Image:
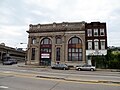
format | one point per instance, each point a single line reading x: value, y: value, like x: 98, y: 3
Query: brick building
x: 96, y: 39
x: 67, y: 42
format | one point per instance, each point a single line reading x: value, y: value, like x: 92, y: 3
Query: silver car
x: 60, y: 66
x: 86, y: 67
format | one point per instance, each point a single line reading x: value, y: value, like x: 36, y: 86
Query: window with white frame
x: 96, y: 44
x: 102, y: 32
x: 89, y: 32
x: 102, y: 43
x: 89, y: 44
x: 95, y: 32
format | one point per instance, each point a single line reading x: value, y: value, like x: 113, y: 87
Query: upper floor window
x: 33, y: 41
x: 75, y: 40
x: 58, y: 40
x: 96, y: 44
x: 89, y: 32
x: 102, y: 32
x: 89, y: 44
x: 102, y: 43
x: 46, y: 41
x: 95, y: 32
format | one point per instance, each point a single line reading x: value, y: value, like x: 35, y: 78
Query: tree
x: 113, y: 59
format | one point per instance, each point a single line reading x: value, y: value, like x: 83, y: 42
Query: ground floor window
x: 33, y: 54
x: 58, y: 54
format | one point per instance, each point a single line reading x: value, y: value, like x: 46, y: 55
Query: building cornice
x: 57, y: 27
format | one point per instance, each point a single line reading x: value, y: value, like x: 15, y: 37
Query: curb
x: 31, y: 66
x: 50, y: 77
x: 110, y: 70
x: 70, y: 79
x: 117, y: 70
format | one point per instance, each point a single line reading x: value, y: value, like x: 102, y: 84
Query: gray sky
x: 16, y: 15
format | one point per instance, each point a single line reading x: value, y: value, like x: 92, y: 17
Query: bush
x: 113, y: 60
x: 114, y: 64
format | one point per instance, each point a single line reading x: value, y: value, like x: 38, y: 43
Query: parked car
x: 60, y: 66
x: 13, y: 61
x: 86, y: 67
x: 7, y: 62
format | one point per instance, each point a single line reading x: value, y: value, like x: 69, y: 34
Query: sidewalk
x: 30, y: 66
x: 37, y: 66
x: 76, y: 78
x: 111, y: 70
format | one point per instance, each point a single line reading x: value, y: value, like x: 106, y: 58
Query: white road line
x: 3, y: 87
x: 6, y: 71
x: 23, y: 70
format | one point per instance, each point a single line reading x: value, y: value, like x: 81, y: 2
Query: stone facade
x: 65, y: 31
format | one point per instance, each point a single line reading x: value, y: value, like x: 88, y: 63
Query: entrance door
x: 45, y: 59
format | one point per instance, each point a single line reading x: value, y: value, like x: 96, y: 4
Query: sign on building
x: 45, y: 55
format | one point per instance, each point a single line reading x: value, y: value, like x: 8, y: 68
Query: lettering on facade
x: 45, y: 55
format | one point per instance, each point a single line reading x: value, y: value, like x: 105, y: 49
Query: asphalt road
x: 78, y: 75
x: 11, y: 82
x: 13, y: 77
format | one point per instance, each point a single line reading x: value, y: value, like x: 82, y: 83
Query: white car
x: 86, y: 67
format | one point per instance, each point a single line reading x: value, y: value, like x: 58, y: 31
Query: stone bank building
x: 67, y: 42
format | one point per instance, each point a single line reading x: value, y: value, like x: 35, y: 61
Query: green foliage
x: 113, y: 60
x: 100, y: 61
x: 114, y: 64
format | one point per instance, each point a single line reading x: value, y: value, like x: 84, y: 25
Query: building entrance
x: 45, y: 52
x: 45, y: 59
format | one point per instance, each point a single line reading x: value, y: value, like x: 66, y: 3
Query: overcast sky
x: 16, y: 15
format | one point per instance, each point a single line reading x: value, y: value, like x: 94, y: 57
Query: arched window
x: 75, y: 49
x: 45, y: 51
x: 46, y: 41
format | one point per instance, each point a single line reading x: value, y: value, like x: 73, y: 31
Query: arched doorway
x: 75, y: 49
x: 45, y: 51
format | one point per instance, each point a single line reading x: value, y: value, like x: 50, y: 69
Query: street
x: 13, y: 77
x: 9, y: 82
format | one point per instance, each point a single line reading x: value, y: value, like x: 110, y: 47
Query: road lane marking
x: 6, y: 71
x: 23, y: 70
x: 3, y: 87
